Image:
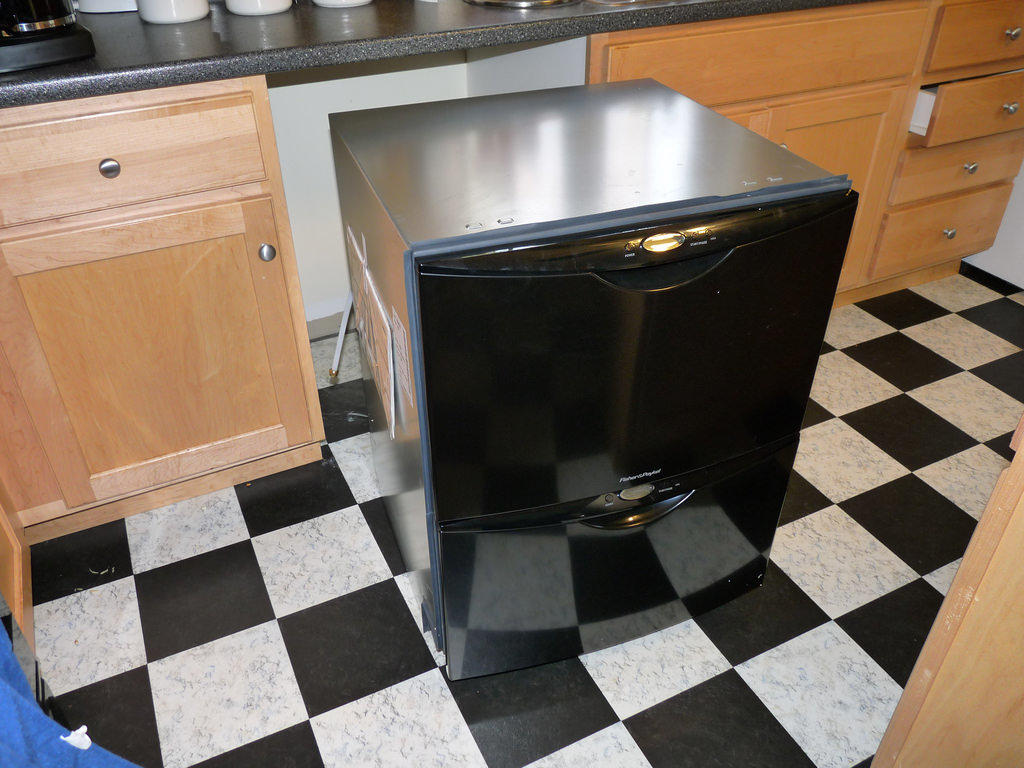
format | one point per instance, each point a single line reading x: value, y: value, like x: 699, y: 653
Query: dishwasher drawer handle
x: 620, y: 521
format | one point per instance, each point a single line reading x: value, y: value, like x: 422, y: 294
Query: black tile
x: 380, y: 526
x: 518, y: 717
x: 293, y: 747
x: 718, y: 724
x: 119, y: 714
x: 902, y: 361
x: 826, y: 348
x: 1004, y: 318
x: 902, y: 309
x: 912, y: 434
x: 294, y: 495
x: 814, y: 414
x: 920, y: 525
x: 987, y: 279
x: 802, y: 498
x: 200, y: 599
x: 893, y: 628
x: 344, y: 410
x: 761, y: 619
x: 1006, y: 374
x: 354, y: 645
x: 865, y: 763
x: 1001, y: 445
x: 80, y: 561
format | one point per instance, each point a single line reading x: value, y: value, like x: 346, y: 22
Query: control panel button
x: 665, y: 241
x: 636, y: 492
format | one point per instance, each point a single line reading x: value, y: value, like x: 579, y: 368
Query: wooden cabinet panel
x: 850, y: 134
x: 980, y: 107
x: 975, y: 33
x: 965, y: 165
x: 163, y: 150
x: 915, y: 236
x: 725, y: 62
x: 166, y: 362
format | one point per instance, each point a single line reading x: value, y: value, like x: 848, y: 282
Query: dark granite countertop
x: 133, y: 55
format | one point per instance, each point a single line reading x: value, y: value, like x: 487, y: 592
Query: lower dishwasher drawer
x: 933, y: 232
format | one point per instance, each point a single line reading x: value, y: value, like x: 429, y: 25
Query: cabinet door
x: 153, y: 348
x: 851, y: 134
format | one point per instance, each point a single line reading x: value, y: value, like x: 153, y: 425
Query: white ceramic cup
x: 258, y: 7
x: 341, y: 3
x: 172, y: 11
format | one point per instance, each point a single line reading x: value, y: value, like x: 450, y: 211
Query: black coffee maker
x: 34, y: 33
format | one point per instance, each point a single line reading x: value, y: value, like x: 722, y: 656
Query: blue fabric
x: 28, y: 738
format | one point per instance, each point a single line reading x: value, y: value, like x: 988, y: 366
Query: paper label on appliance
x: 403, y: 366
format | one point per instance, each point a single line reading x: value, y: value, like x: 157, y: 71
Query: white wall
x: 301, y: 101
x: 1005, y: 258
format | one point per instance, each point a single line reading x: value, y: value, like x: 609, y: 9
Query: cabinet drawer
x: 916, y: 237
x: 975, y: 33
x: 163, y: 150
x: 739, y: 61
x: 983, y: 106
x: 965, y: 165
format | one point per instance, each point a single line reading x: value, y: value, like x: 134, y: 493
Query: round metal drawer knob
x: 1013, y: 34
x: 971, y: 168
x: 1011, y: 109
x: 267, y: 252
x: 110, y: 168
x: 950, y: 233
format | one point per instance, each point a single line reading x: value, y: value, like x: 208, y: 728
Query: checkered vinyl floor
x: 272, y: 624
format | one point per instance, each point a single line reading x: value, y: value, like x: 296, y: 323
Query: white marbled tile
x: 837, y: 562
x: 414, y: 723
x: 221, y: 695
x: 641, y: 673
x: 960, y: 341
x: 316, y: 560
x: 413, y: 587
x: 966, y: 478
x: 955, y: 293
x: 842, y: 385
x: 89, y: 636
x: 828, y: 693
x: 1018, y: 297
x: 841, y: 463
x: 979, y: 409
x: 849, y: 325
x: 355, y: 458
x: 323, y: 356
x: 942, y: 578
x: 184, y: 529
x: 611, y: 747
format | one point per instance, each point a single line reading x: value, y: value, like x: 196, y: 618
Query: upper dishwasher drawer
x: 983, y: 106
x: 976, y: 33
x: 94, y: 161
x: 762, y: 57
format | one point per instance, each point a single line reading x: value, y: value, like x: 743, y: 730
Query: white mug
x: 172, y: 11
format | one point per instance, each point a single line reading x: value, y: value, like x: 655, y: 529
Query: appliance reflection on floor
x: 275, y: 622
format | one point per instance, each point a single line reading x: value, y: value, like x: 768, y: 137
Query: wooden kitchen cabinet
x: 830, y: 85
x: 152, y: 337
x: 847, y: 134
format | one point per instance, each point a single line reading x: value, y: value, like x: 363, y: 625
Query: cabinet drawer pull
x: 1013, y: 34
x: 971, y: 168
x: 110, y: 168
x: 950, y: 233
x: 267, y: 252
x: 1011, y: 109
